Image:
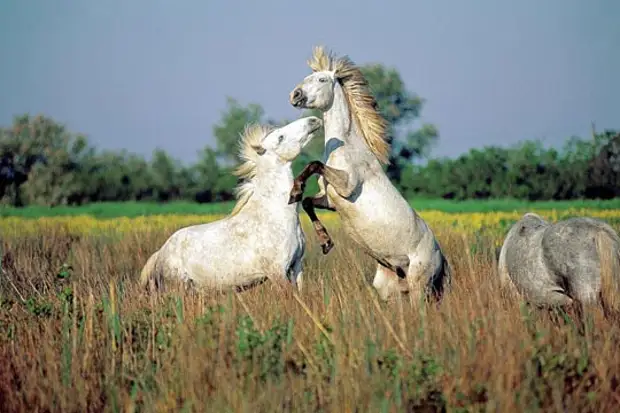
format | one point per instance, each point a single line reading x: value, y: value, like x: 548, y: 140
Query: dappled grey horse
x: 262, y: 238
x: 555, y: 264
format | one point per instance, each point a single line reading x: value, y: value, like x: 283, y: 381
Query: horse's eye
x: 322, y: 79
x: 280, y: 138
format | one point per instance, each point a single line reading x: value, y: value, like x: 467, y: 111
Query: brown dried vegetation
x: 78, y: 335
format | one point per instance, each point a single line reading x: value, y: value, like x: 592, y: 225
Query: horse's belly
x: 380, y: 243
x: 228, y: 268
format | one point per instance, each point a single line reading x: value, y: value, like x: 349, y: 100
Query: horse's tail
x: 608, y: 247
x: 148, y: 271
x: 442, y: 279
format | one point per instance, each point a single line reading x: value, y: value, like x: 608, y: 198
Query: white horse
x: 262, y: 238
x: 557, y: 264
x: 352, y: 182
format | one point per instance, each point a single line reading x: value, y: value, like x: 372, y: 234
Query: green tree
x: 167, y: 176
x: 604, y: 167
x: 39, y: 161
x: 207, y: 175
x: 232, y: 123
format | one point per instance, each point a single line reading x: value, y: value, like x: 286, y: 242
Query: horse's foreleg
x: 299, y: 184
x: 340, y: 180
x: 320, y: 202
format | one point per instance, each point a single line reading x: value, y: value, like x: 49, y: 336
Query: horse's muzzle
x: 297, y: 97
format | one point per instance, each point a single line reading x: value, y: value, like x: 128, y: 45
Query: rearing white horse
x: 262, y: 238
x: 352, y: 182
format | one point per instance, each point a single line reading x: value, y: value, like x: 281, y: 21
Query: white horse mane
x: 250, y: 141
x: 362, y: 104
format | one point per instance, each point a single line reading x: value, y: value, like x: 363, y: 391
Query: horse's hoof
x: 294, y: 198
x: 327, y: 247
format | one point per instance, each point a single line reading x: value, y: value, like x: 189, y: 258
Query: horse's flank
x: 362, y: 104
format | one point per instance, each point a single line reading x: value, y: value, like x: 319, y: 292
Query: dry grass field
x: 78, y: 335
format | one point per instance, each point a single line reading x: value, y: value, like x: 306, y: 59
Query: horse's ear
x: 259, y: 149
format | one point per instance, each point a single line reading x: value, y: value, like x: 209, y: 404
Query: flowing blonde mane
x: 362, y: 104
x: 251, y: 138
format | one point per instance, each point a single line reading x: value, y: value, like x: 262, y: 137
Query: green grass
x: 508, y: 205
x: 120, y: 209
x: 134, y: 209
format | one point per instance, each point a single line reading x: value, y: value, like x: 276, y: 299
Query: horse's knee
x: 430, y: 278
x: 385, y: 282
x: 416, y: 273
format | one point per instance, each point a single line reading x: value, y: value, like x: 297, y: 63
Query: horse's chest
x: 287, y: 240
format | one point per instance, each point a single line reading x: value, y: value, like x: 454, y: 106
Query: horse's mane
x: 246, y: 171
x: 362, y: 104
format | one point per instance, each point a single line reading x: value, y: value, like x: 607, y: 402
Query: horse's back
x: 569, y: 246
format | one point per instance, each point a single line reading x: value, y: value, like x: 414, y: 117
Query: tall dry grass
x: 78, y: 335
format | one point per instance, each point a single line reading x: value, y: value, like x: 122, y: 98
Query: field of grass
x: 78, y: 335
x: 134, y: 209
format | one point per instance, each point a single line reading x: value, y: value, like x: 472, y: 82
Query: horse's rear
x: 577, y: 259
x: 586, y: 252
x: 522, y: 264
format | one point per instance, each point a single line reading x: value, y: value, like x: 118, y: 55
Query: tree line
x: 43, y: 163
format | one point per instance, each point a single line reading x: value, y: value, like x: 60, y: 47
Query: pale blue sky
x: 140, y: 74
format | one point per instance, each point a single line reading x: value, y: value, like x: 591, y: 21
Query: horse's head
x: 285, y: 143
x: 316, y: 91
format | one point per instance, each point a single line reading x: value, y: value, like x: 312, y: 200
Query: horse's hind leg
x: 417, y: 278
x: 425, y: 263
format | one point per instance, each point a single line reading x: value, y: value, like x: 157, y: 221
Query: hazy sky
x: 141, y: 74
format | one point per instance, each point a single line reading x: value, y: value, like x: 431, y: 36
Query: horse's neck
x: 340, y: 129
x: 272, y: 189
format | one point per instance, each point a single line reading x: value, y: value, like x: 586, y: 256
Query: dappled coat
x: 557, y: 263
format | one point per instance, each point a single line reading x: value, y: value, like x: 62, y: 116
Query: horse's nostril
x: 297, y: 94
